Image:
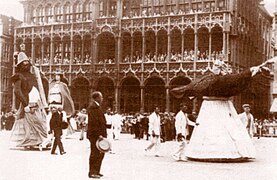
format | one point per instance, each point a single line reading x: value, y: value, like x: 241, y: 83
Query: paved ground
x: 130, y: 162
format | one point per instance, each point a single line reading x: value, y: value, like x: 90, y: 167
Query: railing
x: 133, y: 66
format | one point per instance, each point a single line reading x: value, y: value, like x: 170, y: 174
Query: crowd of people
x: 137, y: 124
x: 66, y: 60
x: 266, y: 127
x: 145, y: 13
x: 188, y: 56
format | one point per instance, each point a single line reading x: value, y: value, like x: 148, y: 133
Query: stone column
x: 132, y: 47
x: 82, y: 50
x: 224, y: 45
x: 167, y: 108
x: 33, y: 48
x: 143, y: 47
x: 51, y: 51
x: 117, y: 98
x: 183, y: 41
x: 210, y: 45
x: 156, y: 47
x: 168, y: 46
x: 94, y: 51
x: 141, y: 98
x: 71, y: 57
x: 195, y: 52
x: 62, y: 51
x: 118, y: 52
x: 13, y: 71
x: 227, y: 46
x: 42, y: 52
x: 195, y: 59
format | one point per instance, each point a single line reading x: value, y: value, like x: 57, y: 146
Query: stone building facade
x: 7, y: 28
x: 135, y: 51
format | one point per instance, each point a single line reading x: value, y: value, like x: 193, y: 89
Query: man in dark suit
x: 96, y: 129
x: 56, y: 127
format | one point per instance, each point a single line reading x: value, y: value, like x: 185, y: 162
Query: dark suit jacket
x: 96, y: 122
x: 56, y: 124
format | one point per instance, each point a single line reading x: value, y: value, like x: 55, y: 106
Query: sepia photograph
x: 138, y: 89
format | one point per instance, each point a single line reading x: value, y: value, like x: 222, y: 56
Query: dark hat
x: 246, y: 105
x: 103, y: 145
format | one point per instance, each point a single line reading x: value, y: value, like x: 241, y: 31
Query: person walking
x: 56, y: 127
x: 155, y: 131
x: 116, y: 125
x: 109, y: 118
x: 96, y: 130
x: 247, y: 120
x: 82, y: 119
x: 181, y: 123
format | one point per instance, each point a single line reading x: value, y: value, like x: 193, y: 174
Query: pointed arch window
x: 58, y: 13
x: 48, y: 13
x: 67, y: 13
x: 78, y: 12
x: 88, y: 11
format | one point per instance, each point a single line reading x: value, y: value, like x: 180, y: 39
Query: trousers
x: 57, y: 142
x: 96, y: 157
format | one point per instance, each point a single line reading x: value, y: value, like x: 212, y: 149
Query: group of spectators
x: 7, y: 120
x: 149, y: 13
x: 66, y: 60
x: 137, y: 124
x: 266, y: 127
x: 188, y: 56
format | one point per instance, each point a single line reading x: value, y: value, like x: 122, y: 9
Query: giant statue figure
x: 220, y: 135
x: 30, y: 87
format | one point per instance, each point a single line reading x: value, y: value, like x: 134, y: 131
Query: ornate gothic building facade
x: 7, y: 28
x: 135, y: 51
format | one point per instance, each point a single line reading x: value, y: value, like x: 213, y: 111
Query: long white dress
x: 220, y: 134
x: 31, y: 130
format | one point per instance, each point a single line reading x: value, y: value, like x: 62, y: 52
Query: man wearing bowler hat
x: 247, y: 119
x: 96, y: 130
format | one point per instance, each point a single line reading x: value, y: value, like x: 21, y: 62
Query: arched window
x: 88, y: 10
x: 171, y: 6
x: 67, y: 13
x: 34, y: 15
x: 48, y: 13
x: 184, y: 6
x: 147, y: 10
x: 58, y: 12
x: 113, y: 7
x: 158, y: 7
x: 221, y: 5
x: 78, y: 9
x: 135, y: 8
x: 101, y: 9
